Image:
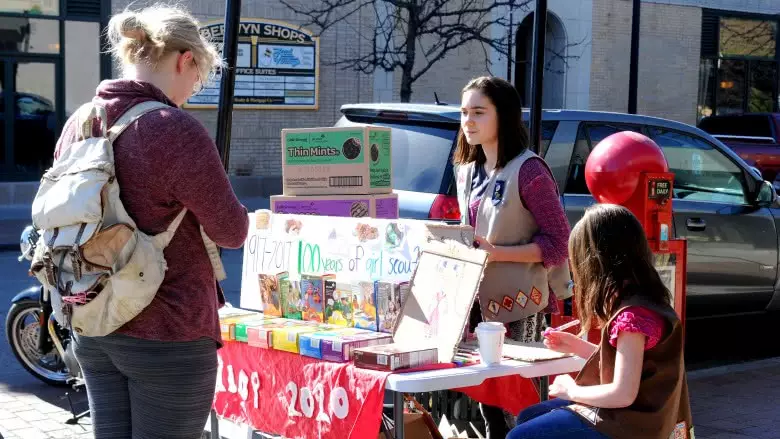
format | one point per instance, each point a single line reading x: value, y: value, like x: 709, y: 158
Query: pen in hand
x: 563, y: 327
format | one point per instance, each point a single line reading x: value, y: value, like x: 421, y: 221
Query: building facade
x: 697, y: 57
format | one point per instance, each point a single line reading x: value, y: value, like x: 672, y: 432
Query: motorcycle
x: 39, y: 343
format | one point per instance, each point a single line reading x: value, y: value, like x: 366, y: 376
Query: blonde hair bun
x: 147, y: 35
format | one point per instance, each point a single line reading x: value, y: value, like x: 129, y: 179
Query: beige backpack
x: 100, y: 270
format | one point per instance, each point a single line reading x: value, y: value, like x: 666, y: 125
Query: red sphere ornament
x: 613, y: 167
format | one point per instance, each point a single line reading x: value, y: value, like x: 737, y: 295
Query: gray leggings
x: 146, y: 389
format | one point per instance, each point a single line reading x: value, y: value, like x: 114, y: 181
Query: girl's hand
x: 563, y: 342
x: 563, y: 387
x: 482, y: 243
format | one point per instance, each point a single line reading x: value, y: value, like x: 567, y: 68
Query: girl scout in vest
x: 508, y: 194
x: 633, y: 385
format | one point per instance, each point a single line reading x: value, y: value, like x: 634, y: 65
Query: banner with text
x: 295, y: 396
x: 361, y: 249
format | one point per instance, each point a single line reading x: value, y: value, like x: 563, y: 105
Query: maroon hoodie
x: 166, y: 161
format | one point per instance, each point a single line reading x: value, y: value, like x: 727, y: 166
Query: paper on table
x: 530, y: 352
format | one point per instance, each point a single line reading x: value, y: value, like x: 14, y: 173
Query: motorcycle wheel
x: 21, y: 330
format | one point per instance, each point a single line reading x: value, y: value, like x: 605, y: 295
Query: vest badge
x: 498, y: 192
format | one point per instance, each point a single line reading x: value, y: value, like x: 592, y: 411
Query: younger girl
x: 633, y: 384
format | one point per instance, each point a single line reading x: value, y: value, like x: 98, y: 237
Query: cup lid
x: 491, y: 326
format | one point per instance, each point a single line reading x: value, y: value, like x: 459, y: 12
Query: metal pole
x: 227, y: 84
x: 633, y: 76
x: 537, y: 75
x: 510, y: 44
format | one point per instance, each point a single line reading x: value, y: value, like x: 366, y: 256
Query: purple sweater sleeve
x: 198, y: 180
x: 539, y: 194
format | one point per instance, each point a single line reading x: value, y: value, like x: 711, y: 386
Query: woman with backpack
x: 155, y: 376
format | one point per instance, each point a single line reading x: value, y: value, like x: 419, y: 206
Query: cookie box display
x: 270, y: 295
x: 310, y: 344
x: 340, y: 348
x: 338, y: 304
x: 239, y: 332
x: 364, y: 305
x: 356, y: 206
x: 391, y: 357
x: 292, y: 298
x: 260, y: 333
x: 286, y: 338
x: 313, y: 291
x: 228, y: 319
x: 389, y: 299
x: 336, y: 161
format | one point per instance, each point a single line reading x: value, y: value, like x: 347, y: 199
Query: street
x: 725, y: 343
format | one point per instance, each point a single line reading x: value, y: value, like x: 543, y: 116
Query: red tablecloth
x: 300, y: 397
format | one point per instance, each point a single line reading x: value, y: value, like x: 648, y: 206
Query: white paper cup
x: 491, y: 342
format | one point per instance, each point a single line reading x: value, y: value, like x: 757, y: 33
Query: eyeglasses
x: 197, y: 88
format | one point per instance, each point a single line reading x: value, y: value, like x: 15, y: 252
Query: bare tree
x: 435, y: 27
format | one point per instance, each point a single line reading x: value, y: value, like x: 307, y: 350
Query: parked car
x: 755, y: 137
x: 722, y: 206
x: 35, y: 131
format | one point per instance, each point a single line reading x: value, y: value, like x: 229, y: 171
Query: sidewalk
x: 730, y: 402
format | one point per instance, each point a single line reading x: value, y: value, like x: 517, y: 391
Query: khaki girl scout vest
x: 662, y: 408
x: 509, y: 291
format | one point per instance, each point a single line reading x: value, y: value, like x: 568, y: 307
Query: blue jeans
x: 548, y: 420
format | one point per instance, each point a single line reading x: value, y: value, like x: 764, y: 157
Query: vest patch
x: 521, y: 299
x: 493, y: 307
x: 498, y: 192
x: 536, y: 296
x: 508, y: 303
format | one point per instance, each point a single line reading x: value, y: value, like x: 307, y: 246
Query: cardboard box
x: 227, y: 324
x: 292, y: 299
x: 310, y: 344
x: 340, y: 348
x: 270, y: 295
x: 389, y: 299
x: 383, y: 206
x: 391, y: 357
x: 286, y: 338
x: 313, y: 289
x: 260, y: 333
x: 336, y: 160
x: 338, y: 304
x: 239, y: 332
x: 364, y: 306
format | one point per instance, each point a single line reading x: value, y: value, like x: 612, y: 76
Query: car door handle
x: 695, y: 224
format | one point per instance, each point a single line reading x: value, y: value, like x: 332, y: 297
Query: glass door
x: 28, y: 117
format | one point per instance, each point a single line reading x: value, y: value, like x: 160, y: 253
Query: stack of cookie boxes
x: 337, y: 171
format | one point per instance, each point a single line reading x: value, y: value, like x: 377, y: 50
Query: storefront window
x: 743, y: 37
x: 45, y: 7
x: 738, y: 72
x: 29, y: 35
x: 731, y: 86
x: 762, y: 89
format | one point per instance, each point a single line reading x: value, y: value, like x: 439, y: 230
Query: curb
x: 734, y: 368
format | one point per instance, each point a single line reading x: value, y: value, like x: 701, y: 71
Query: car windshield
x: 420, y: 155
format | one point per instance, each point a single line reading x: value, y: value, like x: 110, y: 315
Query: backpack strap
x: 131, y: 116
x: 161, y: 240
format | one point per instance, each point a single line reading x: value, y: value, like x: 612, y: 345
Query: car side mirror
x: 766, y: 196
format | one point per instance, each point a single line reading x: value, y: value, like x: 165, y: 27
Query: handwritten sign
x: 361, y: 249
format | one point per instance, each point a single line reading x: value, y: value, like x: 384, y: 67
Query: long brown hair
x: 512, y: 132
x: 611, y: 260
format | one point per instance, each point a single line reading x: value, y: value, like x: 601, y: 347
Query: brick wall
x: 255, y: 142
x: 669, y: 44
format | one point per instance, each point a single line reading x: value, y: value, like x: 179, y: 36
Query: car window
x: 701, y: 171
x: 29, y: 106
x: 548, y: 131
x: 588, y: 136
x: 741, y: 125
x: 420, y: 155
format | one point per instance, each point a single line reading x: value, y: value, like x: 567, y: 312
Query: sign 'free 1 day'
x: 277, y: 66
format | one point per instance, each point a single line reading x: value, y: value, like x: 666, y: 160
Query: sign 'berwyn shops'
x: 277, y: 66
